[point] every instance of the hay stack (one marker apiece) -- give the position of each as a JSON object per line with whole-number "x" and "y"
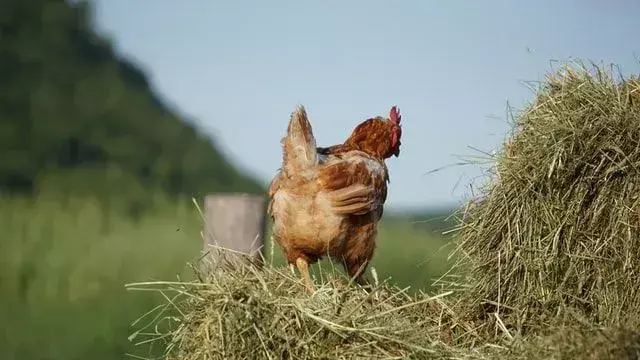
{"x": 248, "y": 313}
{"x": 555, "y": 238}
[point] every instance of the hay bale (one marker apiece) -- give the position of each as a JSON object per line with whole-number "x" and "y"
{"x": 243, "y": 312}
{"x": 555, "y": 236}
{"x": 578, "y": 342}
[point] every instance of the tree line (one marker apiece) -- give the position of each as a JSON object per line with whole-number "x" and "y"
{"x": 76, "y": 117}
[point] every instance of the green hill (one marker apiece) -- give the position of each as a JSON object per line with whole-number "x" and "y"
{"x": 93, "y": 169}
{"x": 75, "y": 117}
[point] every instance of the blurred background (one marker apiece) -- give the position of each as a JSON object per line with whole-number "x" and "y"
{"x": 115, "y": 113}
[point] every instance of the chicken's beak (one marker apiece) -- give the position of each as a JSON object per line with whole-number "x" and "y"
{"x": 397, "y": 152}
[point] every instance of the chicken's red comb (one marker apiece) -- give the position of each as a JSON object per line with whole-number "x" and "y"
{"x": 395, "y": 115}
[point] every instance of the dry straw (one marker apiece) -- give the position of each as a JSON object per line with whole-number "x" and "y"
{"x": 549, "y": 260}
{"x": 246, "y": 312}
{"x": 556, "y": 233}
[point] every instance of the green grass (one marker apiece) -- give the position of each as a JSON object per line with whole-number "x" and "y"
{"x": 62, "y": 274}
{"x": 63, "y": 270}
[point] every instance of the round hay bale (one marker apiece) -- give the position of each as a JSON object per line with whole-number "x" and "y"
{"x": 555, "y": 235}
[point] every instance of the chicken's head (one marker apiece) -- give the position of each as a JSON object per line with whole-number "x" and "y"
{"x": 377, "y": 136}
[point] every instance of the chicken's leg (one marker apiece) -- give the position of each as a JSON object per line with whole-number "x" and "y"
{"x": 303, "y": 267}
{"x": 357, "y": 273}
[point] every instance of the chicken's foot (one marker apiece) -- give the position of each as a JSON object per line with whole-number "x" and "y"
{"x": 303, "y": 267}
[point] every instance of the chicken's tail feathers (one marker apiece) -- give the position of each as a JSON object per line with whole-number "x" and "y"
{"x": 299, "y": 145}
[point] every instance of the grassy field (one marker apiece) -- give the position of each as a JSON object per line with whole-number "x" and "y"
{"x": 63, "y": 270}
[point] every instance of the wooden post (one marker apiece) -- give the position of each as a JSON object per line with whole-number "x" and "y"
{"x": 235, "y": 222}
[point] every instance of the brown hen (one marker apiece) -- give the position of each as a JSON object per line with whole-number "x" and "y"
{"x": 328, "y": 201}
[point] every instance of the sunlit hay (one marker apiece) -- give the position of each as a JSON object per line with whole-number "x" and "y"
{"x": 554, "y": 238}
{"x": 243, "y": 312}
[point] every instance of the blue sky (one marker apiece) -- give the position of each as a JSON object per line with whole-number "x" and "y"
{"x": 238, "y": 68}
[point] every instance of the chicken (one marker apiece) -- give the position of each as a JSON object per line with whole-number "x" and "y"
{"x": 328, "y": 201}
